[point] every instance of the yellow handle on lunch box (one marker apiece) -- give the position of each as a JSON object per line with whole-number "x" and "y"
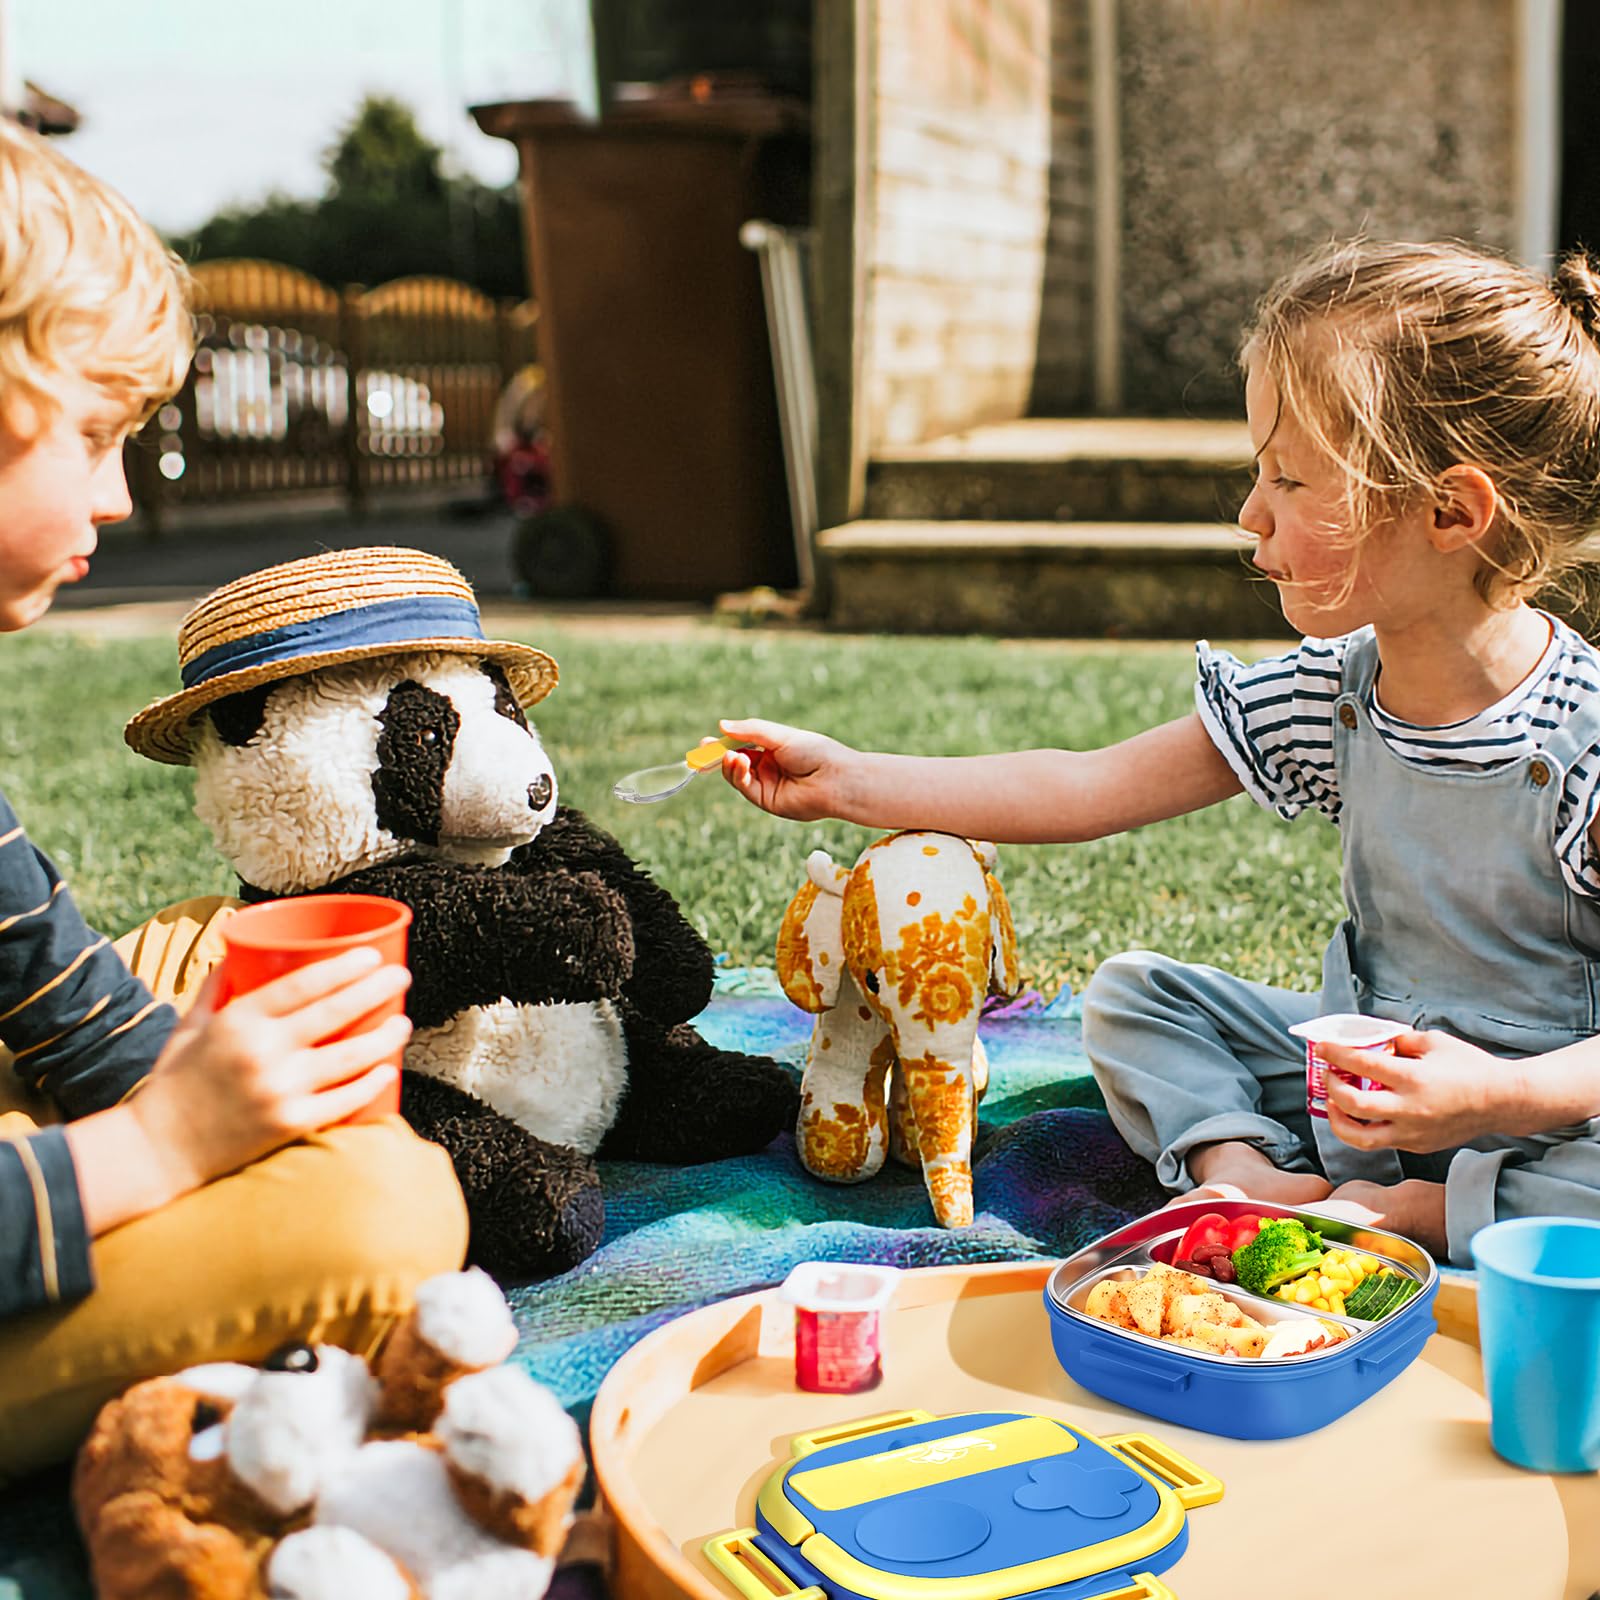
{"x": 802, "y": 1444}
{"x": 754, "y": 1575}
{"x": 1193, "y": 1485}
{"x": 1145, "y": 1586}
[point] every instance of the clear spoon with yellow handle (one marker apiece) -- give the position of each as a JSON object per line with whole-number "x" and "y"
{"x": 657, "y": 783}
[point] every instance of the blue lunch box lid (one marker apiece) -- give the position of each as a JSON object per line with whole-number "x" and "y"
{"x": 974, "y": 1506}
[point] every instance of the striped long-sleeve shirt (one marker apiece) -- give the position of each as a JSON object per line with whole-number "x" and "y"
{"x": 1273, "y": 723}
{"x": 82, "y": 1030}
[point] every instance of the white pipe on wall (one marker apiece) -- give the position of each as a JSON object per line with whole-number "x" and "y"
{"x": 1538, "y": 129}
{"x": 1105, "y": 118}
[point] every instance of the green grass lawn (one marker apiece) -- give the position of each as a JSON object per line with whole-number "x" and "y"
{"x": 1234, "y": 885}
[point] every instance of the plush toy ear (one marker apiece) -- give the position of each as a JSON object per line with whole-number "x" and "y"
{"x": 810, "y": 948}
{"x": 1004, "y": 975}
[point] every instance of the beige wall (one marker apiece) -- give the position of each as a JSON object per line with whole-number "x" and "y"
{"x": 955, "y": 216}
{"x": 1253, "y": 129}
{"x": 1249, "y": 130}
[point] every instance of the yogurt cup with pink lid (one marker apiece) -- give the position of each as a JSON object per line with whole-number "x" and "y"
{"x": 1349, "y": 1028}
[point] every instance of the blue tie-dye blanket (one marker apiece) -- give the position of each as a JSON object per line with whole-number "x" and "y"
{"x": 1050, "y": 1175}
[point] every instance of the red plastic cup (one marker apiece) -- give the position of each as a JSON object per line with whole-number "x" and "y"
{"x": 267, "y": 940}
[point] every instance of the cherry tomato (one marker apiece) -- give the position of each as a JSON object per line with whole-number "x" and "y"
{"x": 1213, "y": 1229}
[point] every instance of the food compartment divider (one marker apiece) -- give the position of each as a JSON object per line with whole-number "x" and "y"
{"x": 1276, "y": 1311}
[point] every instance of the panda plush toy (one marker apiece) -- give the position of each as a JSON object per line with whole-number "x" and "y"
{"x": 351, "y": 730}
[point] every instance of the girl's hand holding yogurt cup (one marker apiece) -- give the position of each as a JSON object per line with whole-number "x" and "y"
{"x": 1437, "y": 1093}
{"x": 1361, "y": 1037}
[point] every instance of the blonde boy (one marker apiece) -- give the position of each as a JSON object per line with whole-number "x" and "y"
{"x": 171, "y": 1195}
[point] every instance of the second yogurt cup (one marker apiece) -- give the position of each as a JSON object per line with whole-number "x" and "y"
{"x": 1351, "y": 1028}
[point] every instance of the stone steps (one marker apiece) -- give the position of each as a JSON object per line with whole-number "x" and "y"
{"x": 1097, "y": 526}
{"x": 1091, "y": 579}
{"x": 1081, "y": 469}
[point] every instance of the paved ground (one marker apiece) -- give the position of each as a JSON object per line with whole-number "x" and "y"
{"x": 131, "y": 565}
{"x": 139, "y": 584}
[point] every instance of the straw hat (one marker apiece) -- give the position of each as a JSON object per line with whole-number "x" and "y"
{"x": 341, "y": 606}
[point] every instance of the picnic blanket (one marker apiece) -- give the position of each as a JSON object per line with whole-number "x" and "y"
{"x": 1050, "y": 1175}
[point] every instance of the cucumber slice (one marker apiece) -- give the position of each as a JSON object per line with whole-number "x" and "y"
{"x": 1375, "y": 1298}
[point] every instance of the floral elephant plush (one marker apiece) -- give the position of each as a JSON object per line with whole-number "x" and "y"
{"x": 895, "y": 955}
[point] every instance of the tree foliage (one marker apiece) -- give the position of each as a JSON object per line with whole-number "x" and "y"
{"x": 389, "y": 210}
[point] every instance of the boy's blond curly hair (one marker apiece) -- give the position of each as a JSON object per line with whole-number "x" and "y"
{"x": 1401, "y": 360}
{"x": 87, "y": 290}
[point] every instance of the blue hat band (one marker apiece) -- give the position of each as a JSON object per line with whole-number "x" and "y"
{"x": 410, "y": 620}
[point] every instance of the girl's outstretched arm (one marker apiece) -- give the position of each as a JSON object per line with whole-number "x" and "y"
{"x": 1024, "y": 797}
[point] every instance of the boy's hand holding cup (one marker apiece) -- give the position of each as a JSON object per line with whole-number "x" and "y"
{"x": 301, "y": 1027}
{"x": 265, "y": 941}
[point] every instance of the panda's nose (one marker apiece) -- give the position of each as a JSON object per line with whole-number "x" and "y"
{"x": 539, "y": 792}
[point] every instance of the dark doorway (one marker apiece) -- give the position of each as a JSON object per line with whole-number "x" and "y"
{"x": 1579, "y": 214}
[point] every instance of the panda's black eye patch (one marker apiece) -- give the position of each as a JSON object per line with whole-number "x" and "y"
{"x": 505, "y": 702}
{"x": 416, "y": 736}
{"x": 238, "y": 717}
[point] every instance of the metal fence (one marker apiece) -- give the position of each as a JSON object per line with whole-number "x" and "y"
{"x": 297, "y": 388}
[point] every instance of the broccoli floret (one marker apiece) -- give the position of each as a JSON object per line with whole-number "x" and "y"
{"x": 1282, "y": 1250}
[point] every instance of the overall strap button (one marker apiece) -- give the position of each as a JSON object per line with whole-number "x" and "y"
{"x": 1538, "y": 774}
{"x": 1347, "y": 715}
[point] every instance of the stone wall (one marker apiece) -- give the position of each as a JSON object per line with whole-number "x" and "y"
{"x": 955, "y": 214}
{"x": 1254, "y": 129}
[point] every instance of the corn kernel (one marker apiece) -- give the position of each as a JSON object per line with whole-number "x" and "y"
{"x": 1369, "y": 1265}
{"x": 1303, "y": 1292}
{"x": 1336, "y": 1304}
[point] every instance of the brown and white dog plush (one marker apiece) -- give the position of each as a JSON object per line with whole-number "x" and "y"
{"x": 438, "y": 1474}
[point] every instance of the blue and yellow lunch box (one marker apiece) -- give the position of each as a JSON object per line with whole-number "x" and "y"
{"x": 1244, "y": 1398}
{"x": 983, "y": 1505}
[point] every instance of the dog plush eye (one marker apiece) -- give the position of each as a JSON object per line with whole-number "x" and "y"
{"x": 292, "y": 1358}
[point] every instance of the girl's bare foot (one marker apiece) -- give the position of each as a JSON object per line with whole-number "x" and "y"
{"x": 1235, "y": 1163}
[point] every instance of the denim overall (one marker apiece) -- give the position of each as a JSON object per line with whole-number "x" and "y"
{"x": 1459, "y": 920}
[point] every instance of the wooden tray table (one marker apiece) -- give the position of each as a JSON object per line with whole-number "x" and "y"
{"x": 1401, "y": 1499}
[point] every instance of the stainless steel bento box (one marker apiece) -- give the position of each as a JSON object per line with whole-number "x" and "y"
{"x": 1244, "y": 1398}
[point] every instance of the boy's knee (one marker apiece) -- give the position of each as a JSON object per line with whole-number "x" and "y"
{"x": 383, "y": 1206}
{"x": 326, "y": 1239}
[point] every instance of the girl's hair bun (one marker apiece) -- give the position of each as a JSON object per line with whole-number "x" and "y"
{"x": 1577, "y": 287}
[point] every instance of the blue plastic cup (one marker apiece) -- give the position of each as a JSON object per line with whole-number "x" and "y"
{"x": 1539, "y": 1329}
